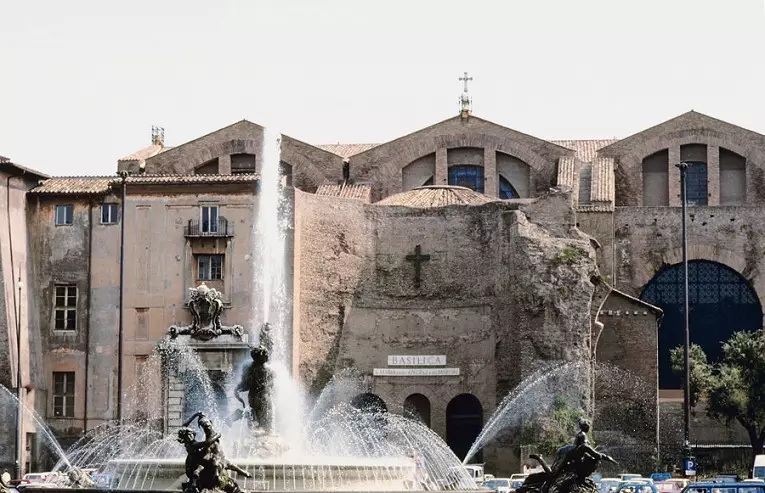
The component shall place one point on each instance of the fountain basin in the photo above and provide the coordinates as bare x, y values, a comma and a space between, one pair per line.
313, 474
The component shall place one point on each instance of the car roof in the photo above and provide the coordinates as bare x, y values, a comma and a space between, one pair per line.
712, 484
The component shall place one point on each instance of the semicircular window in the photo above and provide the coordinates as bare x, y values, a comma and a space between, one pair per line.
506, 189
467, 176
721, 302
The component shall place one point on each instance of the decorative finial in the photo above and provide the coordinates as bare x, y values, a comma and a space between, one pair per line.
465, 101
157, 136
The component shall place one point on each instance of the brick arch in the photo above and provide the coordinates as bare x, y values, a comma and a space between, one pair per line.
422, 147
728, 258
629, 182
208, 153
305, 175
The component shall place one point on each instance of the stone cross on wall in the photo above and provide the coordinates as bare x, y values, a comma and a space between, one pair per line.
418, 258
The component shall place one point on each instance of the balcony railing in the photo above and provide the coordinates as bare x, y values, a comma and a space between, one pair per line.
221, 228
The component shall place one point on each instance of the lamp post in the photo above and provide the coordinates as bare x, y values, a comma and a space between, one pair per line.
19, 410
689, 465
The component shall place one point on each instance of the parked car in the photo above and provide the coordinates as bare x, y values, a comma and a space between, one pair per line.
609, 485
712, 487
674, 485
499, 485
637, 487
515, 484
758, 471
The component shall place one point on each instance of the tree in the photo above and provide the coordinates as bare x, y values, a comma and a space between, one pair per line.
735, 386
548, 433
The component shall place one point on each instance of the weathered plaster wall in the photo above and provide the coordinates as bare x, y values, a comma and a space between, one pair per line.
498, 294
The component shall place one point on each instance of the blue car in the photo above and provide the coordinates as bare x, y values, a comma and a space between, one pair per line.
735, 487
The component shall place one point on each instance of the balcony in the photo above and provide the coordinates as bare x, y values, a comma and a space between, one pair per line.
204, 229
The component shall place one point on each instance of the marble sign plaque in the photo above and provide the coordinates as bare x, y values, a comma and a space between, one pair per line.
415, 372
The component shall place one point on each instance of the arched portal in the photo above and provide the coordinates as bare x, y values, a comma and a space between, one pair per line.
464, 420
417, 406
369, 402
721, 302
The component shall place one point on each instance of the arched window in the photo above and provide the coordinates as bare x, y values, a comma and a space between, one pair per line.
721, 302
464, 420
417, 406
506, 189
467, 176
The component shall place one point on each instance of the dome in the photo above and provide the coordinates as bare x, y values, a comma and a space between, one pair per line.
437, 196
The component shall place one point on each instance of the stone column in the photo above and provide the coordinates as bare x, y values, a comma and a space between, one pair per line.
442, 171
224, 165
674, 176
490, 172
713, 175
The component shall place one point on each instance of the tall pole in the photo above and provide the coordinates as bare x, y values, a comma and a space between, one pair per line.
19, 408
120, 345
686, 324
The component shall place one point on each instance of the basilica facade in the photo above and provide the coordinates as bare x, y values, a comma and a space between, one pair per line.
445, 266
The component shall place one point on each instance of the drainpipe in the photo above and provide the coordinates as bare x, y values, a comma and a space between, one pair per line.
87, 320
120, 347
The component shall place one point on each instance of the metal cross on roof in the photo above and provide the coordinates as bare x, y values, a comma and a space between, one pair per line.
465, 79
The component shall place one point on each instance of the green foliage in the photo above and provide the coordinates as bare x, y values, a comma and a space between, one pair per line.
701, 370
570, 255
548, 433
735, 386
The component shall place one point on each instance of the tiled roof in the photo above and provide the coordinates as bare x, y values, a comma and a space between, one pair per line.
567, 171
346, 150
603, 180
93, 185
145, 153
75, 185
360, 191
190, 179
437, 196
585, 149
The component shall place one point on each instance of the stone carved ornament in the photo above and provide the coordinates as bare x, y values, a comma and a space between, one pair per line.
206, 307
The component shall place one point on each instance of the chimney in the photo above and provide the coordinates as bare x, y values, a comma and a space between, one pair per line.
157, 136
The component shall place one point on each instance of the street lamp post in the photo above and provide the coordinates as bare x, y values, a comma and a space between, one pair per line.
19, 410
688, 463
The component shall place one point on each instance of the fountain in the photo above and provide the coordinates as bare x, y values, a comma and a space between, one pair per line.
238, 384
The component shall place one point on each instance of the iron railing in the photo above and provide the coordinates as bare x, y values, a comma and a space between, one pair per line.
221, 228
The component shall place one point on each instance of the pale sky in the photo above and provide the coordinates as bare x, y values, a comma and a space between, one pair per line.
83, 81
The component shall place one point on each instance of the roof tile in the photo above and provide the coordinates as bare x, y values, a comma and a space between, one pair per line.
437, 196
360, 191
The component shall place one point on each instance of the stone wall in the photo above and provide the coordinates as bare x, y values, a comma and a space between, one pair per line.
498, 295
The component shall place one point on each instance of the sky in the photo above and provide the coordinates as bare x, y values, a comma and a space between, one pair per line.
83, 81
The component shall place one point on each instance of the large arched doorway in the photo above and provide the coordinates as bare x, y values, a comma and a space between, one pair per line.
464, 420
417, 406
721, 302
369, 402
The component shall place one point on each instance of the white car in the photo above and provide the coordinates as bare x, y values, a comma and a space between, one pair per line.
499, 485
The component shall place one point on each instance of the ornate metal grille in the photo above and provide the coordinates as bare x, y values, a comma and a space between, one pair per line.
696, 184
721, 302
467, 176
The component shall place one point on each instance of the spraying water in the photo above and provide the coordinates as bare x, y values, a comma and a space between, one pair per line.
532, 398
272, 225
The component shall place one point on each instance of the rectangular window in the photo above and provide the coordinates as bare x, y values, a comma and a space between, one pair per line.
210, 267
64, 215
142, 323
209, 219
66, 308
63, 394
109, 214
696, 183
